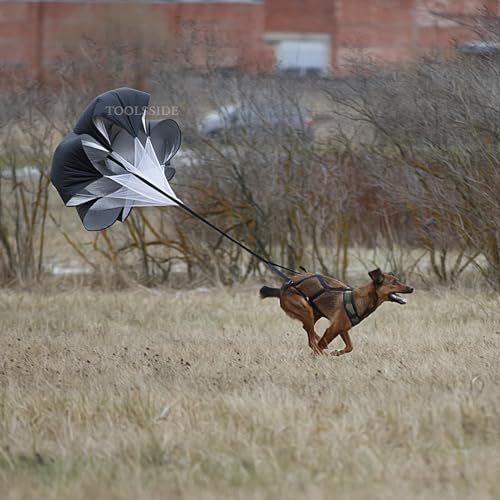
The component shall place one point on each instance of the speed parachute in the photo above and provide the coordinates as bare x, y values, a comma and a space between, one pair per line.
115, 159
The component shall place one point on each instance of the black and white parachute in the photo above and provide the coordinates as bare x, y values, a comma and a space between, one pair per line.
115, 159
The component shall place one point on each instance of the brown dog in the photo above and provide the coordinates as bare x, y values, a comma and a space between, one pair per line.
309, 297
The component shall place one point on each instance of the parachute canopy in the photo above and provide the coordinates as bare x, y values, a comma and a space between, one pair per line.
115, 159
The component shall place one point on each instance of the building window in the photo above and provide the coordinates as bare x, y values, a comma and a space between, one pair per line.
302, 53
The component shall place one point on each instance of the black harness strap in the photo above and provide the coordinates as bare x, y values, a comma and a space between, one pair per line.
347, 296
309, 300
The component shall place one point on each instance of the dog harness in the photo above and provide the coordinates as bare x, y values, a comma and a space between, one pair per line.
347, 296
350, 308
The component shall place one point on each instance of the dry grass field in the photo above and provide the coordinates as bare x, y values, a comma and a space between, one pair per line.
149, 394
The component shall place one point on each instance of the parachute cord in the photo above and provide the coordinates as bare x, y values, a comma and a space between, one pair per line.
272, 266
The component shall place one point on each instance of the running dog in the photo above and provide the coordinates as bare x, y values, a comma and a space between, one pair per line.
309, 297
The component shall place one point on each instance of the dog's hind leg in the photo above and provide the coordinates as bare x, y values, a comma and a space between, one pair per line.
348, 344
308, 325
297, 308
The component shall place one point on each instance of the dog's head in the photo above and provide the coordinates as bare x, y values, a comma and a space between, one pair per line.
388, 287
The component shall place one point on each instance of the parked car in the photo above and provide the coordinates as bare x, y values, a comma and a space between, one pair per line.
255, 120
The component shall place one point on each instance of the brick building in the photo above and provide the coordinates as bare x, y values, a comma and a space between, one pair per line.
293, 35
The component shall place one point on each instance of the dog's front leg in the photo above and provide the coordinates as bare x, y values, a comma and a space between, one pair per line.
348, 344
330, 334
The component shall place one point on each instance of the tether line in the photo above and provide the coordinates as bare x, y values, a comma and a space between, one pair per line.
272, 266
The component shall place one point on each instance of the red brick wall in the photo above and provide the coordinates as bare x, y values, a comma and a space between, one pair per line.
229, 35
390, 30
395, 30
316, 16
232, 34
17, 34
381, 27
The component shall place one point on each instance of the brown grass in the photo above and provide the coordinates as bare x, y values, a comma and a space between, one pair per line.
155, 394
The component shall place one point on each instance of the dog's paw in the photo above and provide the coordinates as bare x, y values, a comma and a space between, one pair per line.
336, 353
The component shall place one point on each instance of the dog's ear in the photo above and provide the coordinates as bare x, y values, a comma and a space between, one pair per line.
377, 276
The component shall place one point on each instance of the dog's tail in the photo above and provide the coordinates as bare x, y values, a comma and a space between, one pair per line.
267, 291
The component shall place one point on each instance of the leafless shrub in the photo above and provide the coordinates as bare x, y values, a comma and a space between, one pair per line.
409, 169
433, 155
26, 140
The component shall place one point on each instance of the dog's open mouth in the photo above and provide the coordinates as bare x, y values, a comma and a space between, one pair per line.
395, 297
